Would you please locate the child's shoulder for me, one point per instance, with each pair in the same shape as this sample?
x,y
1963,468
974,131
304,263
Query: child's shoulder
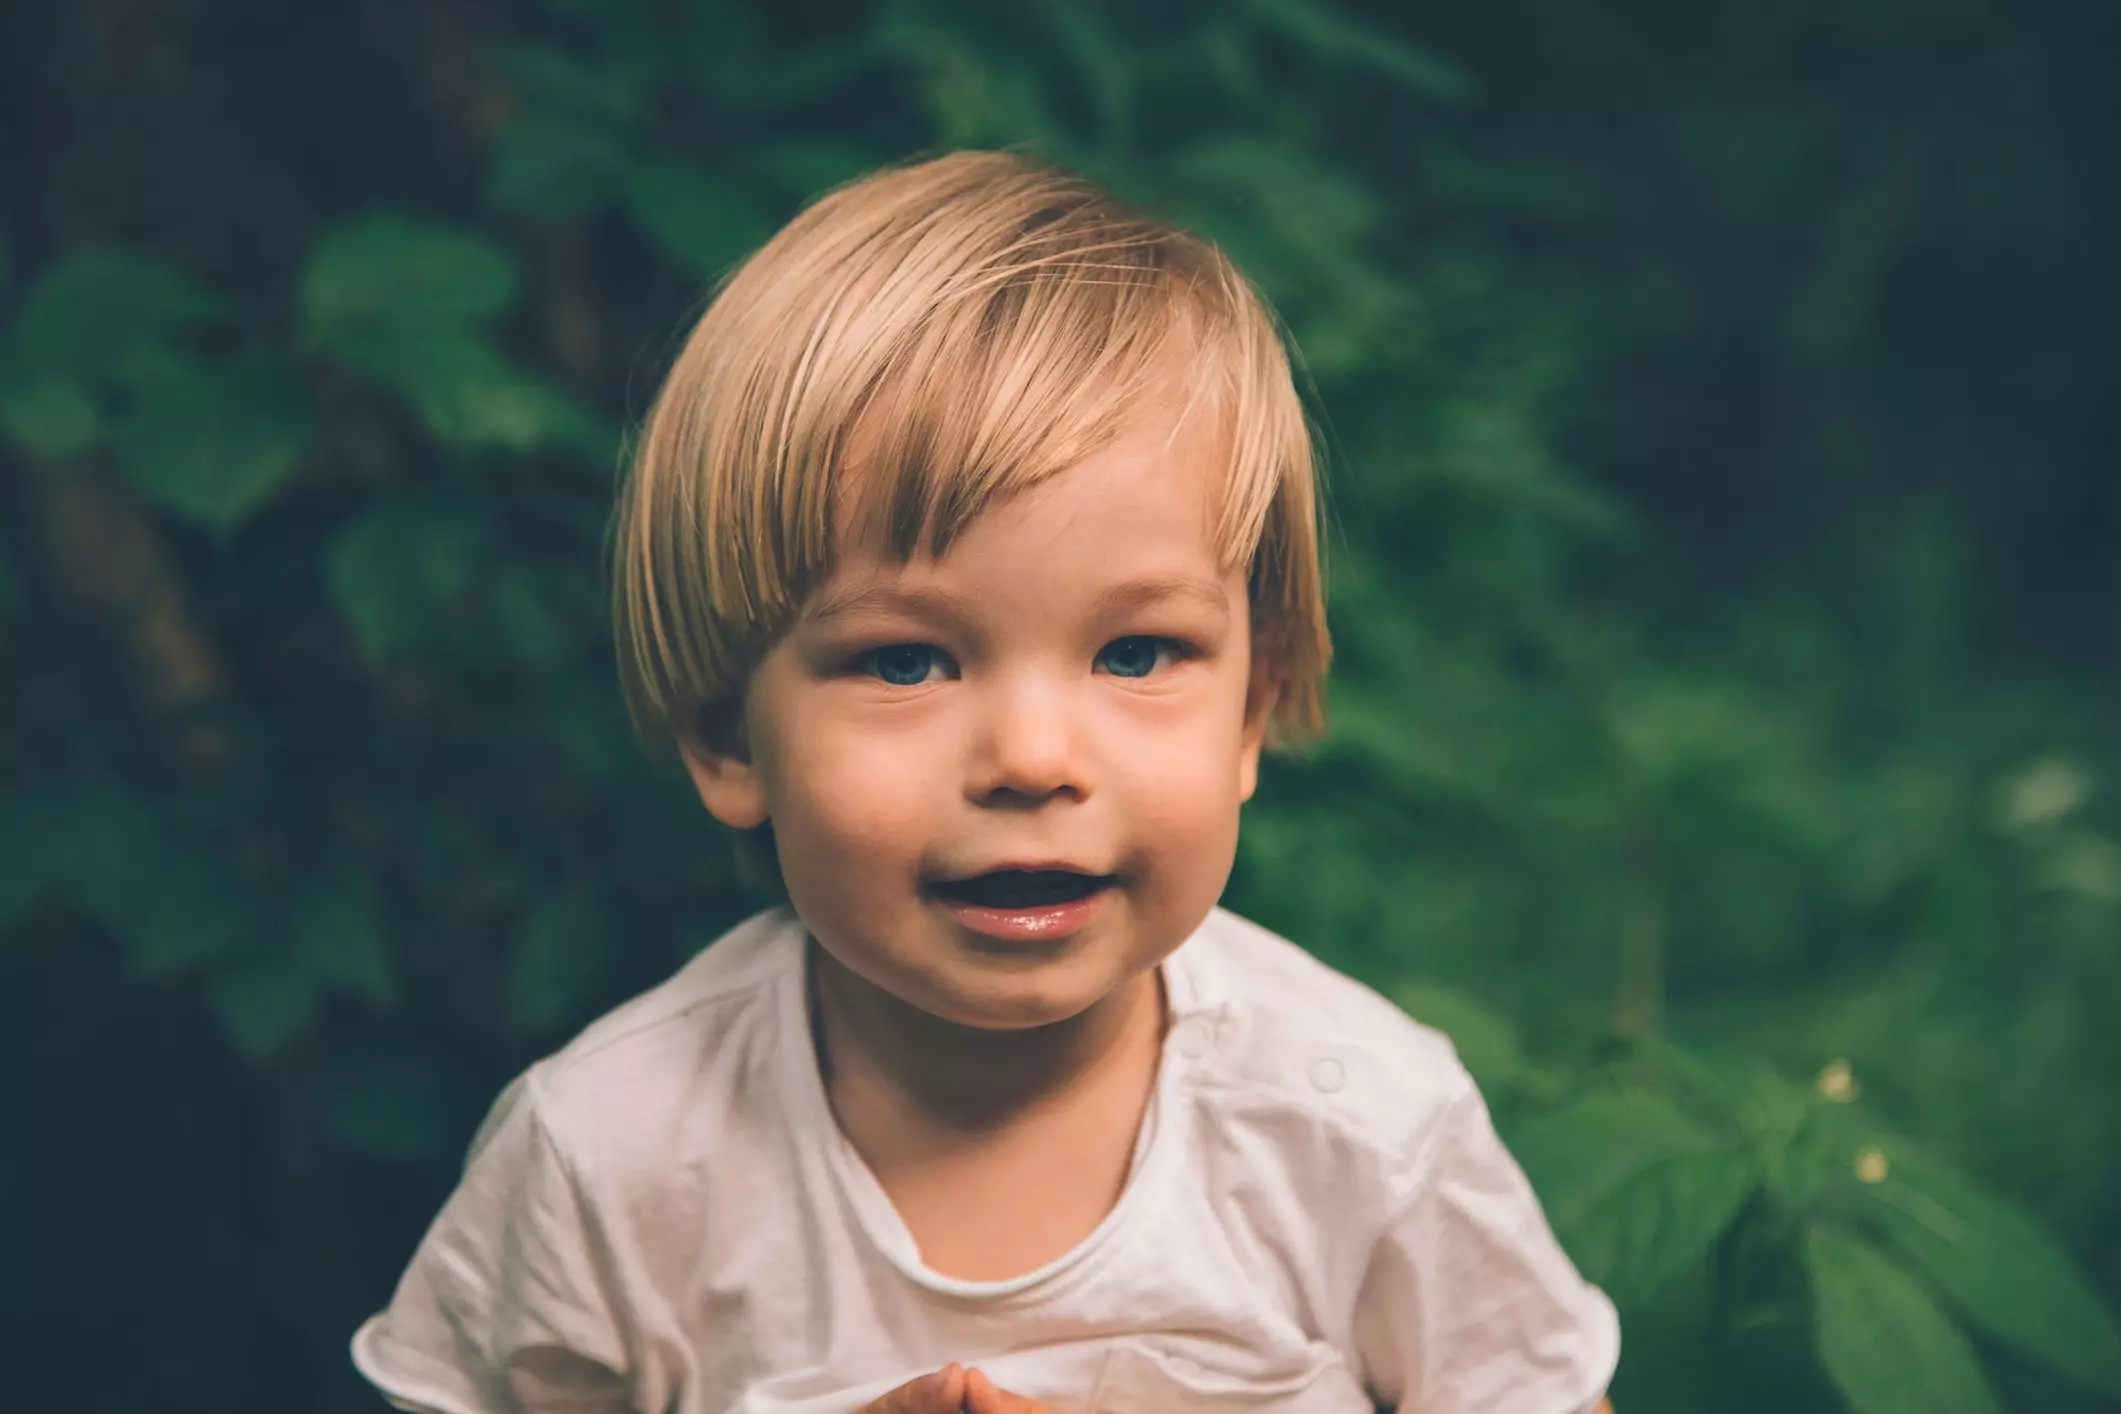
x,y
1273,1028
704,1039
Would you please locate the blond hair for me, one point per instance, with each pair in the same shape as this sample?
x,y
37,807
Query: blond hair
x,y
988,322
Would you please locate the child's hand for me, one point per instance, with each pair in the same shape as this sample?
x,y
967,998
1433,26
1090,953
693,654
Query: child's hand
x,y
940,1393
952,1390
981,1397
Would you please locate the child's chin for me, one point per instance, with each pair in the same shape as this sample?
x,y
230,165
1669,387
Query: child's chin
x,y
1020,1009
999,1017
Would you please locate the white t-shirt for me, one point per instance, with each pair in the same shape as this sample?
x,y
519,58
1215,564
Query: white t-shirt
x,y
665,1217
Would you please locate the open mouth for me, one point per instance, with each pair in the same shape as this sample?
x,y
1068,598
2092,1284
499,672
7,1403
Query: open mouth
x,y
1022,888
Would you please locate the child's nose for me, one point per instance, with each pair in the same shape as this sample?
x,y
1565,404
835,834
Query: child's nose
x,y
1026,749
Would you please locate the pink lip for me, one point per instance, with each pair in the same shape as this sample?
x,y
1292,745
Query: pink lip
x,y
1027,925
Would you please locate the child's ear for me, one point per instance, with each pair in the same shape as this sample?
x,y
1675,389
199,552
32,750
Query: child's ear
x,y
1260,696
719,761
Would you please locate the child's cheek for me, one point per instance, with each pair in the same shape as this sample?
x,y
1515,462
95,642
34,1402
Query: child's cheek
x,y
860,792
1184,800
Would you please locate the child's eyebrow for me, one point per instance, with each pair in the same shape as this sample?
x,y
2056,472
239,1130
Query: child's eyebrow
x,y
1156,588
1113,600
866,597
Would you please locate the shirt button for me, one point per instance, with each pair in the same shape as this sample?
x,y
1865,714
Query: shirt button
x,y
1194,1038
1328,1074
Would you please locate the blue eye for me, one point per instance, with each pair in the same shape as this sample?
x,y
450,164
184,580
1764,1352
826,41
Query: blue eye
x,y
903,664
1136,657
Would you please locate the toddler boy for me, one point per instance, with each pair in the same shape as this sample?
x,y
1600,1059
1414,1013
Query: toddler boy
x,y
970,557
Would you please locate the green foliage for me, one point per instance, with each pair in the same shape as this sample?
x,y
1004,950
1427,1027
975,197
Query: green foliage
x,y
385,276
399,568
107,343
1636,1191
265,1002
100,315
176,909
49,415
209,444
1486,1042
25,861
554,960
407,304
2002,1270
1718,840
1334,37
702,223
553,168
1883,1340
389,1102
337,930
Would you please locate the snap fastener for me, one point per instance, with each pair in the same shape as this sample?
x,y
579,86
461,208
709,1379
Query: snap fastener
x,y
1194,1039
1328,1074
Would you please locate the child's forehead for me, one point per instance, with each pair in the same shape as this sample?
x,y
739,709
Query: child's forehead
x,y
887,506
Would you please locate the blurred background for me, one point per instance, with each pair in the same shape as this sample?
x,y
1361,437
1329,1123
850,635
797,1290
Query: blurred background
x,y
1720,401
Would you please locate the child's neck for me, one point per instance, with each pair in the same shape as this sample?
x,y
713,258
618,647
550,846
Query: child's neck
x,y
882,1053
1000,1151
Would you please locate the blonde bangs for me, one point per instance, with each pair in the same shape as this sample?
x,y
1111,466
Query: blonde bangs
x,y
933,339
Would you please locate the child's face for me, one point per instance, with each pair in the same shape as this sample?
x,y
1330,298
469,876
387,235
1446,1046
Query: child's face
x,y
1070,689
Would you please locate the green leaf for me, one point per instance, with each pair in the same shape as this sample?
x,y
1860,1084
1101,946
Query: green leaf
x,y
173,906
400,566
1636,1191
974,96
336,922
529,608
1225,50
551,167
401,302
557,81
100,838
26,871
1334,36
2004,1271
1101,60
263,1003
392,272
584,724
698,220
467,395
1379,732
1276,202
1884,1343
556,964
49,415
2083,863
211,445
1485,1040
1498,456
94,309
191,912
389,1101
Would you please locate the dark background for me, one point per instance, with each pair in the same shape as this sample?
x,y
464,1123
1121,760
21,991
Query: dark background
x,y
1720,407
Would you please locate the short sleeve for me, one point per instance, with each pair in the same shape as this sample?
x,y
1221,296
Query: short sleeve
x,y
505,1306
1469,1304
